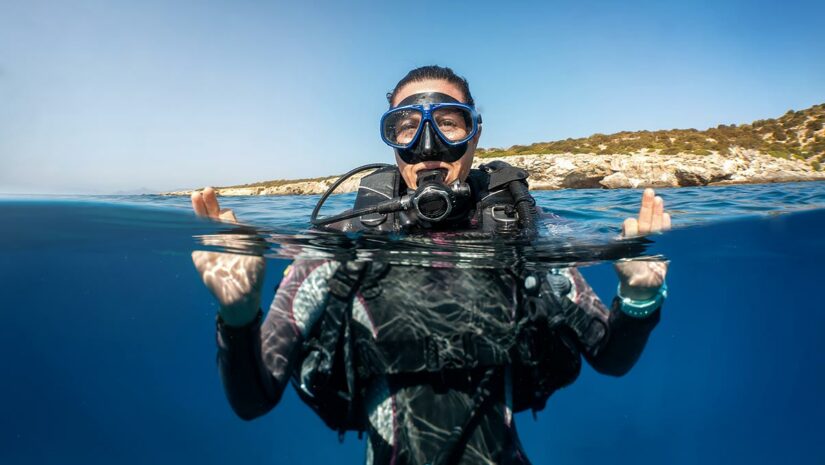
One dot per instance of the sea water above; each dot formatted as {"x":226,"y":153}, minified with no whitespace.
{"x":108,"y":344}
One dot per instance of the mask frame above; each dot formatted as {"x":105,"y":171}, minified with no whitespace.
{"x":426,"y":110}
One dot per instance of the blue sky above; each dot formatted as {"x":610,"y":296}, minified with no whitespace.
{"x":101,"y":96}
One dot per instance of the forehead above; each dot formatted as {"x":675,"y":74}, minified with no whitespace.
{"x":430,"y":85}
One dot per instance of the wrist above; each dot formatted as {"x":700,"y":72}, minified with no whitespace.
{"x":641,"y":305}
{"x":237,"y":316}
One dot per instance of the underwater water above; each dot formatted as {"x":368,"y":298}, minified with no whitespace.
{"x":108,"y":339}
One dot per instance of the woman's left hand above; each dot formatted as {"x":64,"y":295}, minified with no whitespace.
{"x":641,"y":279}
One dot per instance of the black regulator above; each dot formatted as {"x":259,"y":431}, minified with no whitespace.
{"x":433,"y":201}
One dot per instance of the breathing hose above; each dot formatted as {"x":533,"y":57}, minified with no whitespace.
{"x":383,"y":207}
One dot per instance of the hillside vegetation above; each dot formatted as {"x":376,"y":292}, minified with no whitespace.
{"x":796,"y":134}
{"x":276,"y":183}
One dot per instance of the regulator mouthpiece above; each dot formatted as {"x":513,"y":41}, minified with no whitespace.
{"x":436,"y":176}
{"x":433,"y":200}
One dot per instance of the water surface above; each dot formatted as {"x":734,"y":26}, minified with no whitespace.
{"x":108,"y":336}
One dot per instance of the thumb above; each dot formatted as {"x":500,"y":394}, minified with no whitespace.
{"x":227,"y":215}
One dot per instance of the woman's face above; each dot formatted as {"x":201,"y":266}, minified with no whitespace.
{"x":458,"y":169}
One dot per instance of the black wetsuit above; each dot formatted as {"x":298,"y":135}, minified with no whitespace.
{"x":410,"y":418}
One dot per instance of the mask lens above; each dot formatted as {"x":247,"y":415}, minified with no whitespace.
{"x":400,"y":126}
{"x":454,"y":123}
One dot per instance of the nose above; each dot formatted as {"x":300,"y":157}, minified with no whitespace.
{"x":427,"y":142}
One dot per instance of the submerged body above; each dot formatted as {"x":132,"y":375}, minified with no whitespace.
{"x":411,"y":416}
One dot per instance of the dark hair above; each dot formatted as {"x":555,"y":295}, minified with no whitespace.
{"x":434,"y":72}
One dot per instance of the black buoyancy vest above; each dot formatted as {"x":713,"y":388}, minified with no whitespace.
{"x":492,"y":203}
{"x":539,"y":343}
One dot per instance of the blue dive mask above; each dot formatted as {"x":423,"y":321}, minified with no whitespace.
{"x":430,"y":126}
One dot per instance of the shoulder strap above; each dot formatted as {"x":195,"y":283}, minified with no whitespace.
{"x":333,"y":390}
{"x":502,"y":173}
{"x":378,"y":186}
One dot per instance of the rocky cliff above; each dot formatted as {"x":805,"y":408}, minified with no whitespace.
{"x":582,"y":170}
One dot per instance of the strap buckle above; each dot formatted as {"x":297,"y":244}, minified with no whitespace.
{"x":346,"y":279}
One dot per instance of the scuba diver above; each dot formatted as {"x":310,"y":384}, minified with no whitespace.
{"x":431,"y":363}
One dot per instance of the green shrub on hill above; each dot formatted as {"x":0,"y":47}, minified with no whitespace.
{"x":282,"y":182}
{"x":794,"y":133}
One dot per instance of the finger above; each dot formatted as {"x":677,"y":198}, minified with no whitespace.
{"x":228,"y":215}
{"x":658,"y":271}
{"x":658,"y":212}
{"x":630,"y":227}
{"x":646,"y":212}
{"x":211,"y":201}
{"x":665,"y":221}
{"x":659,"y":268}
{"x":198,"y":205}
{"x":643,"y":275}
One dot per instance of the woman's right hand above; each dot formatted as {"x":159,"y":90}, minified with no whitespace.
{"x":205,"y":204}
{"x":234,"y":279}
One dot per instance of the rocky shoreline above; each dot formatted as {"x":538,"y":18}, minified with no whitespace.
{"x":581,"y":170}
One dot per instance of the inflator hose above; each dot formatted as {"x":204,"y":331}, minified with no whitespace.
{"x":387,"y":206}
{"x":313,"y":219}
{"x":525,"y":205}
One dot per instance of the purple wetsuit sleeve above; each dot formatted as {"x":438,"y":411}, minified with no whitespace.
{"x":255,"y":361}
{"x":626,"y":335}
{"x":250,"y":389}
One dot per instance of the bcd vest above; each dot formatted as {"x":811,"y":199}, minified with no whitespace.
{"x":485,"y":325}
{"x":490,"y":211}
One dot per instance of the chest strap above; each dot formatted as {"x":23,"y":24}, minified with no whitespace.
{"x":329,"y":354}
{"x":431,"y":354}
